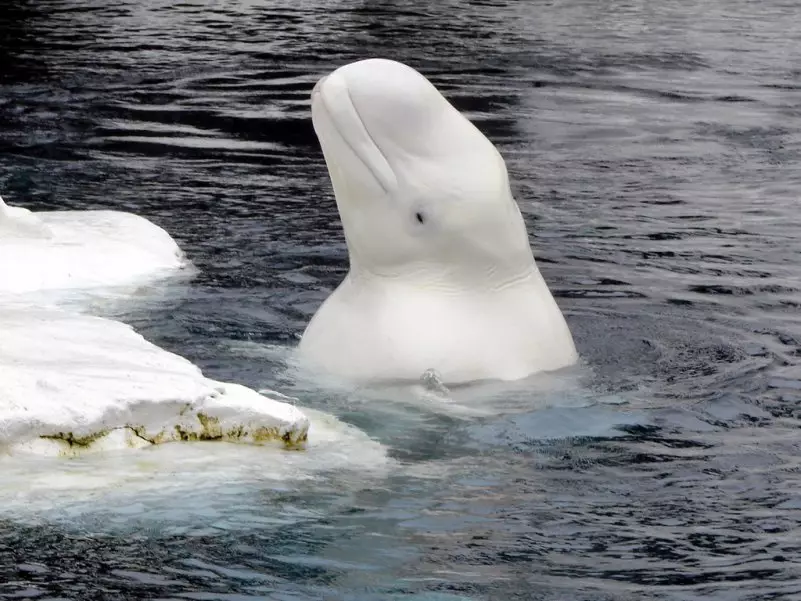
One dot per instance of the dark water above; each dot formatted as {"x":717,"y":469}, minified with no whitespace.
{"x":654,"y":149}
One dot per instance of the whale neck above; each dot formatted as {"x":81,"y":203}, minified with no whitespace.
{"x":446,"y":279}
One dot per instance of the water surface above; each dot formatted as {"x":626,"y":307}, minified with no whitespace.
{"x":654,"y":150}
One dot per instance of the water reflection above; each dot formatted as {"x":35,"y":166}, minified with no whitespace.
{"x":654,"y":151}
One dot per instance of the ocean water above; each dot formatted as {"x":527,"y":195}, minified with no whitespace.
{"x":655,"y":151}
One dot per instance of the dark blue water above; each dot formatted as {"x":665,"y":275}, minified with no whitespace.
{"x":655,"y":150}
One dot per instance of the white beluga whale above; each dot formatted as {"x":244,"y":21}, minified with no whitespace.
{"x":441,"y":275}
{"x":59,"y":250}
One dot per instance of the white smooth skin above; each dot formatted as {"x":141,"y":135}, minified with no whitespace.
{"x":441,"y":272}
{"x":55,"y":250}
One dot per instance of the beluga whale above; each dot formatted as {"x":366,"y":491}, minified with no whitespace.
{"x":441,"y":274}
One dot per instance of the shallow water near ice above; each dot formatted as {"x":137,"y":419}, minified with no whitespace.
{"x":654,"y":151}
{"x":174,"y":479}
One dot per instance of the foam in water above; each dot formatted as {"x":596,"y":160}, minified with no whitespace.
{"x":561,"y":405}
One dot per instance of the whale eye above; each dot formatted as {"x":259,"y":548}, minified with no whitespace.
{"x":420,"y":217}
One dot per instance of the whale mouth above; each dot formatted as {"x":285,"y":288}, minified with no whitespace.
{"x":335,"y":114}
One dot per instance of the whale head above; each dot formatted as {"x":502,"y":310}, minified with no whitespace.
{"x":420,"y":190}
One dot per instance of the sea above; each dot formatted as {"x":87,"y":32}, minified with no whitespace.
{"x":654,"y":149}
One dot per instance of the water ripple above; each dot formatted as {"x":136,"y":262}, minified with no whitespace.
{"x":654,"y":149}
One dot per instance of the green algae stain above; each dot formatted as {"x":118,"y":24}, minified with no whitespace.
{"x":295,"y":443}
{"x":210,"y":427}
{"x":72,"y":441}
{"x":183,"y":434}
{"x":141,"y":432}
{"x":210,"y":430}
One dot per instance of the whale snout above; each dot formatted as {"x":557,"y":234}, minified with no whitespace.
{"x":398,"y":107}
{"x":396,"y":123}
{"x":343,"y":132}
{"x":318,"y":86}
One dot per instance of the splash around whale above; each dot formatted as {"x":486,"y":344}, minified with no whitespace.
{"x":441,"y":271}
